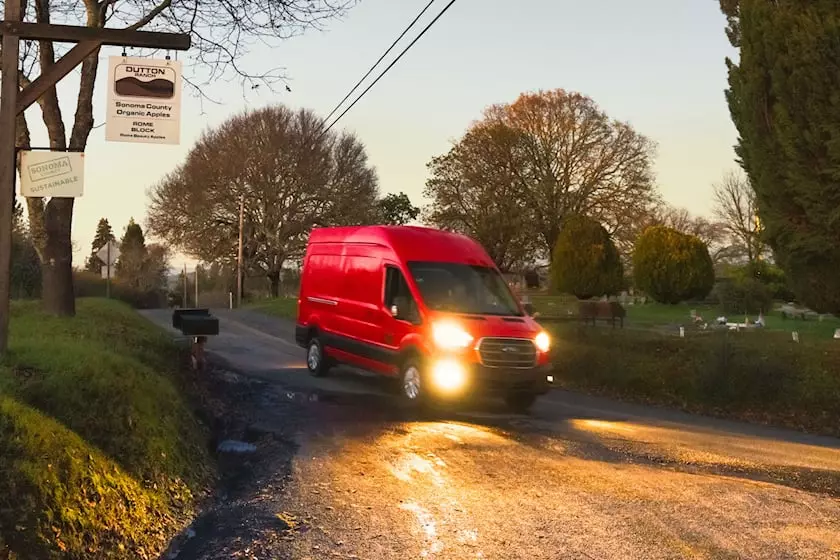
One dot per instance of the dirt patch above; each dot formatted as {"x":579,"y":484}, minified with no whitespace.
{"x":253,"y":441}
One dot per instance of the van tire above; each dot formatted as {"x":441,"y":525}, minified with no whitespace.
{"x":520,"y":401}
{"x":411,"y":382}
{"x":316,"y":362}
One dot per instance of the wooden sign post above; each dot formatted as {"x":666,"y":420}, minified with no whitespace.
{"x":13,"y":101}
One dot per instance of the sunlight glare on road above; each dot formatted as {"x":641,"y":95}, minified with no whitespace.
{"x":697,"y":447}
{"x":602,"y":425}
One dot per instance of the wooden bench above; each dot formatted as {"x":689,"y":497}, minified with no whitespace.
{"x":604,"y":310}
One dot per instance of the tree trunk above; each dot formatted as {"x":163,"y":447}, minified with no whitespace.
{"x":274,"y":279}
{"x":59,"y":296}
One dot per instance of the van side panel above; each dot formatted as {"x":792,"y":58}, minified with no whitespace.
{"x":356,"y":313}
{"x":342,"y":295}
{"x":319,"y":296}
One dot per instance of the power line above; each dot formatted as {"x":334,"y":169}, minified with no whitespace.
{"x":405,"y":50}
{"x":375,"y":64}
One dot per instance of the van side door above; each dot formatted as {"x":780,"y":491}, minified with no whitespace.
{"x":401,"y":313}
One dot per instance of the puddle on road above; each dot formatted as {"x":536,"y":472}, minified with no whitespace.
{"x":311,"y":396}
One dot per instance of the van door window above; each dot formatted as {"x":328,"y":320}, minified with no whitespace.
{"x":398,"y":294}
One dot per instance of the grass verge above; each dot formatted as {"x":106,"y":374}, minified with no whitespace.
{"x":278,"y":307}
{"x":660,"y":315}
{"x":756,"y":376}
{"x":100,"y":454}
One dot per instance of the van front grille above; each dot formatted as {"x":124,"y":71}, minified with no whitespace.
{"x":517,"y":353}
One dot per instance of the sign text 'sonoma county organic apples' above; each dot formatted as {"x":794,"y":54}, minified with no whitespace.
{"x":144,"y":100}
{"x":45,"y":174}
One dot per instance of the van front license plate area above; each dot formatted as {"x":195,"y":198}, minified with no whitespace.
{"x":490,"y":379}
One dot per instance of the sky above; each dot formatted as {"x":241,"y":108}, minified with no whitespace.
{"x":658,"y":64}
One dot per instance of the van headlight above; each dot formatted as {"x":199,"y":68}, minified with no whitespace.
{"x":543,"y":341}
{"x":449,"y":376}
{"x":450,"y":336}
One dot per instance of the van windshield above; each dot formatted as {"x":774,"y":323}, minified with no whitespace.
{"x":463,"y":288}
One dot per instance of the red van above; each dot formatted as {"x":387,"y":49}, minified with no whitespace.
{"x":421,"y":305}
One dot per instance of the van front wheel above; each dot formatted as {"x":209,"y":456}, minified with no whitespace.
{"x":316,"y":361}
{"x":411,"y":382}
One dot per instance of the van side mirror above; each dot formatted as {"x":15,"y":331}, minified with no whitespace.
{"x":395,"y":311}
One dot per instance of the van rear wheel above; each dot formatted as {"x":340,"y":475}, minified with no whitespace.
{"x":316,"y":362}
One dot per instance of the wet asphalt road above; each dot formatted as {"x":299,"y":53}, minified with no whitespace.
{"x":579,"y":477}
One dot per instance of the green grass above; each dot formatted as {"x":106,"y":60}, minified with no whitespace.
{"x":757,"y":376}
{"x":278,"y":307}
{"x":100,"y":453}
{"x":659,"y":315}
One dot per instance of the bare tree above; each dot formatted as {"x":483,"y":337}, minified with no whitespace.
{"x":576,"y":161}
{"x":475,"y":189}
{"x":735,"y":207}
{"x":292,"y":178}
{"x":222,"y":34}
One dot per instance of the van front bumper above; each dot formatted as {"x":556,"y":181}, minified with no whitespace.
{"x":482,"y":379}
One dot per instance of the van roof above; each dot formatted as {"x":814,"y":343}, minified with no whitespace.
{"x":411,"y":243}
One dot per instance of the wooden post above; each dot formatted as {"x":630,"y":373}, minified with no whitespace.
{"x":8,"y":168}
{"x":239,"y":258}
{"x":108,"y":265}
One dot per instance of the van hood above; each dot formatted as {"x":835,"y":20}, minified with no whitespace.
{"x":480,"y":326}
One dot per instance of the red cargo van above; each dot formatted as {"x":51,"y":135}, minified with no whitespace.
{"x":424,"y":306}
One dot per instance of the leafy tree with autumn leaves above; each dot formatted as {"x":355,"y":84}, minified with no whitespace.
{"x":397,"y":209}
{"x":292,"y":177}
{"x":475,"y":190}
{"x":222,"y":34}
{"x":525,"y":167}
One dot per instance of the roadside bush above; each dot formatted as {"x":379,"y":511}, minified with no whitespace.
{"x":89,"y":284}
{"x":771,"y":276}
{"x":743,"y":295}
{"x":586,"y":262}
{"x":25,"y":269}
{"x":672,"y":267}
{"x":755,"y":376}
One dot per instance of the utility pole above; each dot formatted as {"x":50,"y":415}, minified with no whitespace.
{"x":196,"y":285}
{"x":185,"y":286}
{"x":239,"y":258}
{"x":108,"y":283}
{"x":14,"y":101}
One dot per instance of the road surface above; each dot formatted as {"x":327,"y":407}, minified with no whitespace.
{"x":578,"y":478}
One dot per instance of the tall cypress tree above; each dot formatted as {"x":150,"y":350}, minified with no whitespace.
{"x":130,"y":265}
{"x":784,"y":97}
{"x":104,"y":233}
